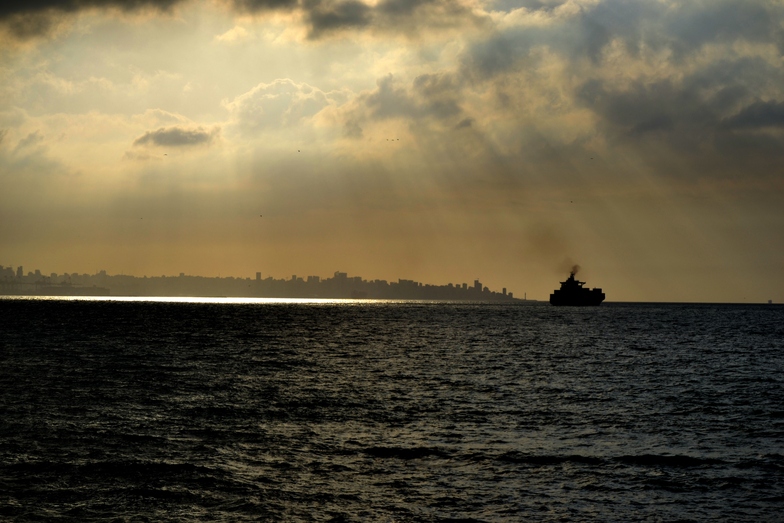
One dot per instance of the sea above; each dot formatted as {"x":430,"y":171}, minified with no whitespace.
{"x":133,"y":410}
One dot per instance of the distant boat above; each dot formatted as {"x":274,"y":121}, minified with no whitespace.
{"x":573,"y":293}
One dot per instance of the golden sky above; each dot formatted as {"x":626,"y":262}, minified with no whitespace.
{"x":435,"y":140}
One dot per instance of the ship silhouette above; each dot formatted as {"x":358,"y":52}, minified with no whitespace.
{"x":573,"y":293}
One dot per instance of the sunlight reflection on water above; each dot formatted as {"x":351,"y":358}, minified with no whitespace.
{"x":209,"y":299}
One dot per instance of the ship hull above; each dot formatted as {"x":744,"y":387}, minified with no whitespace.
{"x":585,"y":298}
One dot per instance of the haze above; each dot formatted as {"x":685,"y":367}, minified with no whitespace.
{"x":435,"y":140}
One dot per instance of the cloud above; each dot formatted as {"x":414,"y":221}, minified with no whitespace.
{"x":690,"y":112}
{"x":235,"y":34}
{"x":758,"y":115}
{"x":28,"y":20}
{"x":31,"y":140}
{"x":583,"y":29}
{"x":15,"y":7}
{"x":324,"y":17}
{"x":676,"y":76}
{"x":431,"y":97}
{"x":25,"y":19}
{"x":415,"y":18}
{"x":279,"y":104}
{"x":177,"y":137}
{"x":330,"y":17}
{"x":464,"y":123}
{"x":263,"y":5}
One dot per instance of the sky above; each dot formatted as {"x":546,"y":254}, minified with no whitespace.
{"x":436,"y":140}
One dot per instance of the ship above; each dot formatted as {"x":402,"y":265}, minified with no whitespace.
{"x":573,"y":293}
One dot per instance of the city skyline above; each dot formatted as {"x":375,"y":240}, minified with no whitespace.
{"x":432,"y":139}
{"x":340,"y":285}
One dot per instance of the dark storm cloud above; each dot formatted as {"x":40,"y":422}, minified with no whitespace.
{"x":401,"y":7}
{"x":576,"y":36}
{"x":438,"y":94}
{"x":329,"y":15}
{"x":431,"y":97}
{"x":695,"y":75}
{"x":680,"y":28}
{"x":264,"y":5}
{"x":430,"y":104}
{"x":404,"y":16}
{"x":758,"y":115}
{"x":28,"y":19}
{"x":10,"y":8}
{"x":15,"y":8}
{"x":324,"y":16}
{"x":643,"y":107}
{"x":24,"y":20}
{"x":720,"y":96}
{"x":698,"y":23}
{"x":408,"y":8}
{"x":686,"y":120}
{"x":176,"y":137}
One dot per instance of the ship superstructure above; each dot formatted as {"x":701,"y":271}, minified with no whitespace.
{"x":573,"y":293}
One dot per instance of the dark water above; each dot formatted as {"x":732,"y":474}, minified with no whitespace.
{"x":140,"y":411}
